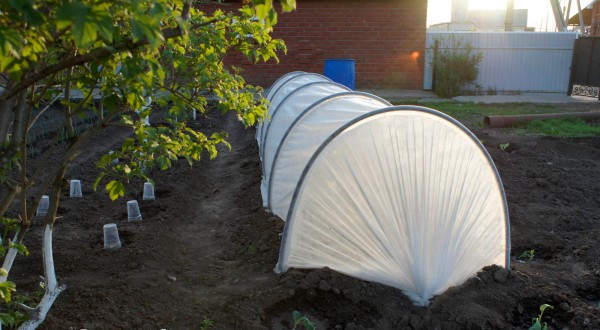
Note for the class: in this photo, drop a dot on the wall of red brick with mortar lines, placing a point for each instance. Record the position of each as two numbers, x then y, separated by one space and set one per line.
386 38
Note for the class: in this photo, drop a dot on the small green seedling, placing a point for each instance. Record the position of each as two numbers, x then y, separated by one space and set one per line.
503 146
300 319
527 256
537 322
206 324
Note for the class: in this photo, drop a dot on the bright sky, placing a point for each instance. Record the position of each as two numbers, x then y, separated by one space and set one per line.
539 12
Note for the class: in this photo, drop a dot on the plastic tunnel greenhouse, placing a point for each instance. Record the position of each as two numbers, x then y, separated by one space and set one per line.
405 196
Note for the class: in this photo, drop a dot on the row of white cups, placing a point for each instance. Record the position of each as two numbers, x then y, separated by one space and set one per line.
111 232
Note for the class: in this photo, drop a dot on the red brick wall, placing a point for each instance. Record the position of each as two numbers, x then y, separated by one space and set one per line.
386 38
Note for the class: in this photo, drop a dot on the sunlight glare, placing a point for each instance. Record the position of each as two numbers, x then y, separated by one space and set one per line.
540 14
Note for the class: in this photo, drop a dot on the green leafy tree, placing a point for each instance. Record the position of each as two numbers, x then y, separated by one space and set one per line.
119 56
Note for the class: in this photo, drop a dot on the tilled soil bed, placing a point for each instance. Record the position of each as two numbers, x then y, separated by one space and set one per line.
205 250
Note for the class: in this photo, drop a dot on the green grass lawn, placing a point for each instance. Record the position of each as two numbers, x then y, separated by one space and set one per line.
472 114
566 127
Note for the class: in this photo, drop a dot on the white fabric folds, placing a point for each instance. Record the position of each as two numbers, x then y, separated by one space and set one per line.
283 88
404 196
287 156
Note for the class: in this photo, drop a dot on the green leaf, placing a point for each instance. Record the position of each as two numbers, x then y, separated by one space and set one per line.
21 248
127 120
85 22
174 110
296 315
3 272
128 143
104 22
544 306
31 15
164 163
6 290
262 7
145 27
527 255
10 43
288 5
300 319
115 189
98 180
536 325
10 224
7 319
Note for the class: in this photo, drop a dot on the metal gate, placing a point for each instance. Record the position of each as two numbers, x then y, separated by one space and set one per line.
585 70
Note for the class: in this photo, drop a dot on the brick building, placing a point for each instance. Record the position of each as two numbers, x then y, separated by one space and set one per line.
386 38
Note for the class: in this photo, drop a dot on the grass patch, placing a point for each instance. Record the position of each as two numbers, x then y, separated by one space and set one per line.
565 127
462 111
472 114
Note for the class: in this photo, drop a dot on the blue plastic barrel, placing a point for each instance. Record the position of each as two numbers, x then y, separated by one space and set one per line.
341 71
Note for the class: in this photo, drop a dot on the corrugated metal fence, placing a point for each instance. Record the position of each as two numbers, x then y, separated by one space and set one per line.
513 61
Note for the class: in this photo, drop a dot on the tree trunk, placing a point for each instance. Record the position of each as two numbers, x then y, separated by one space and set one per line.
53 289
9 259
38 315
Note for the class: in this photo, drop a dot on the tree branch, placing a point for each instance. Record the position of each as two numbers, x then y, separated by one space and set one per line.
177 94
42 111
6 106
71 153
96 54
7 154
25 219
185 12
8 198
68 109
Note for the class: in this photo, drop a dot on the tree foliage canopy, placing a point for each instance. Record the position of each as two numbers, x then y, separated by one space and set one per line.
111 59
126 51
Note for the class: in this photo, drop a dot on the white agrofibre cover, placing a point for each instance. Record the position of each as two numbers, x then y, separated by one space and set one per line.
281 81
403 196
280 90
292 147
292 105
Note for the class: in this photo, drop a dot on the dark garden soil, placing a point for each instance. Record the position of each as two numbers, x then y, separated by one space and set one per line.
205 250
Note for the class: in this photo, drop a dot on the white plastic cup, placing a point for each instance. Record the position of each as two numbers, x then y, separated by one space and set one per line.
114 161
42 209
142 163
148 103
111 236
133 211
148 192
145 120
75 189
